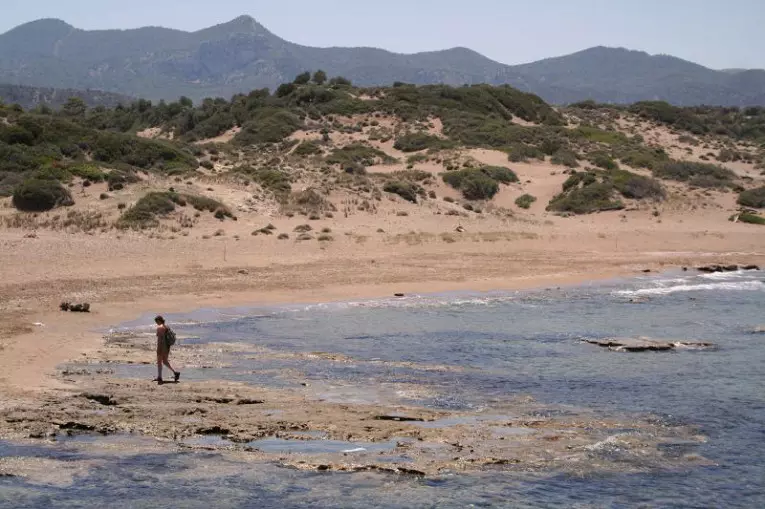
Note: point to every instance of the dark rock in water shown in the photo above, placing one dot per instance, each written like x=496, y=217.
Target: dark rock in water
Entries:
x=213, y=430
x=646, y=344
x=250, y=402
x=398, y=295
x=730, y=268
x=685, y=269
x=751, y=267
x=103, y=399
x=647, y=271
x=398, y=418
x=75, y=426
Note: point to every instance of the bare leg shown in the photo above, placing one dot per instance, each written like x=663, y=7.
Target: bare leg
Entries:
x=166, y=360
x=160, y=356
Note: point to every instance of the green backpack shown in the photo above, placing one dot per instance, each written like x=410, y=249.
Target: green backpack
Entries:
x=169, y=337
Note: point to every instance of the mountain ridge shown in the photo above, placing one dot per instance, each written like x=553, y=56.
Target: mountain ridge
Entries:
x=242, y=55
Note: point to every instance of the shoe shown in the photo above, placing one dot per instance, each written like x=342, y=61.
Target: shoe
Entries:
x=177, y=376
x=158, y=380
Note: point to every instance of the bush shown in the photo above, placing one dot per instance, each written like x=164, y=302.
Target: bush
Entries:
x=594, y=197
x=525, y=201
x=358, y=154
x=88, y=172
x=479, y=183
x=406, y=190
x=566, y=158
x=754, y=198
x=696, y=174
x=35, y=195
x=603, y=160
x=414, y=142
x=276, y=181
x=500, y=174
x=519, y=153
x=636, y=187
x=269, y=125
x=144, y=213
x=307, y=148
x=117, y=179
x=748, y=217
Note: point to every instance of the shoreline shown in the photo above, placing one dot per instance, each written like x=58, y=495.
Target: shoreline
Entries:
x=135, y=290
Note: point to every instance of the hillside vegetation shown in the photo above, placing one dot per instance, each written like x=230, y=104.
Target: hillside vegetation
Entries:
x=318, y=146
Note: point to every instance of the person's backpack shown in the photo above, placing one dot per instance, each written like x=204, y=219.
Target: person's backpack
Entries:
x=169, y=337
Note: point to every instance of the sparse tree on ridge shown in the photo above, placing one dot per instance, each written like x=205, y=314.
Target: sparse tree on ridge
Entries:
x=320, y=77
x=303, y=79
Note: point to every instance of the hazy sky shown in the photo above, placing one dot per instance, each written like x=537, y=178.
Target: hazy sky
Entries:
x=719, y=34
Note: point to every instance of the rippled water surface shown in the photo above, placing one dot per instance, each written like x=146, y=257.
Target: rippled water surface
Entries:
x=512, y=344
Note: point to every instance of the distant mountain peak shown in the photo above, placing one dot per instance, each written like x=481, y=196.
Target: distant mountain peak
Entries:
x=244, y=23
x=44, y=24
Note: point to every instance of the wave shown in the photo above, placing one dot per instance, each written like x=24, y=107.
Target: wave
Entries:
x=750, y=286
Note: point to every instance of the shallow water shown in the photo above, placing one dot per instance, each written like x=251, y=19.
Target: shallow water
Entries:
x=506, y=345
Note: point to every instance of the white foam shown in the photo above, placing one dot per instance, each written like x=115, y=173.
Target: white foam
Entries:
x=750, y=286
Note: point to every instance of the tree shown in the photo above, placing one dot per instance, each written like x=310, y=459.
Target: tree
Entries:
x=302, y=79
x=285, y=89
x=75, y=107
x=186, y=102
x=320, y=77
x=340, y=81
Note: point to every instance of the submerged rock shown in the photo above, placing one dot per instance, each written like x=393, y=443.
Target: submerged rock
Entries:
x=646, y=344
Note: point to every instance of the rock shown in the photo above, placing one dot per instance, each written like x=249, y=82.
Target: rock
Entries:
x=398, y=295
x=398, y=418
x=709, y=269
x=213, y=430
x=634, y=345
x=78, y=308
x=751, y=267
x=247, y=401
x=30, y=236
x=103, y=399
x=646, y=271
x=243, y=271
x=64, y=306
x=459, y=229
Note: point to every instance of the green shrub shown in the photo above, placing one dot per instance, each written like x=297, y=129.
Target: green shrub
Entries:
x=144, y=213
x=600, y=136
x=358, y=154
x=603, y=160
x=636, y=187
x=414, y=142
x=473, y=183
x=566, y=158
x=276, y=181
x=696, y=174
x=500, y=174
x=35, y=195
x=269, y=125
x=206, y=204
x=87, y=172
x=411, y=175
x=406, y=190
x=754, y=198
x=518, y=152
x=748, y=217
x=594, y=197
x=525, y=201
x=117, y=179
x=307, y=148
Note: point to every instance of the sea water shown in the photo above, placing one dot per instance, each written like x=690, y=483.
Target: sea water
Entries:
x=505, y=345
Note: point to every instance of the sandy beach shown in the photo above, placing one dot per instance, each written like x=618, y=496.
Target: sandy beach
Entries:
x=124, y=277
